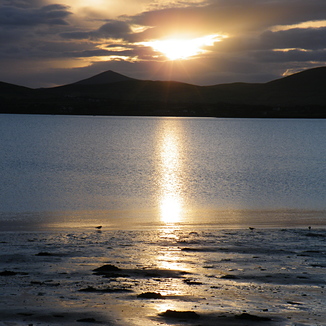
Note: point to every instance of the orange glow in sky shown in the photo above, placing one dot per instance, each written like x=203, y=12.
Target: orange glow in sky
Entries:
x=178, y=48
x=203, y=42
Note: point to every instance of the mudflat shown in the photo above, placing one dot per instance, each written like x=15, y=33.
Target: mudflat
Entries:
x=172, y=275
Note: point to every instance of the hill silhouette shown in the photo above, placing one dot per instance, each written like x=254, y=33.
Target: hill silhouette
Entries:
x=11, y=90
x=110, y=93
x=106, y=77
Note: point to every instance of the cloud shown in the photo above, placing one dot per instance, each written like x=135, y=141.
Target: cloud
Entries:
x=112, y=29
x=141, y=52
x=81, y=38
x=24, y=28
x=232, y=16
x=302, y=38
x=292, y=56
x=48, y=15
x=23, y=3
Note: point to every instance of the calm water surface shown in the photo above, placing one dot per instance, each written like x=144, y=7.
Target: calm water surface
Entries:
x=173, y=170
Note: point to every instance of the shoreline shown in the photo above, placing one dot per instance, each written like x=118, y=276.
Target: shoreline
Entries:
x=269, y=277
x=150, y=219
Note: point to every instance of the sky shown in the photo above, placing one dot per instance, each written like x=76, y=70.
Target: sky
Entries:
x=45, y=43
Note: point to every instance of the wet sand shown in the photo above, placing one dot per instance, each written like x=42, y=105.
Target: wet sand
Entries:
x=171, y=275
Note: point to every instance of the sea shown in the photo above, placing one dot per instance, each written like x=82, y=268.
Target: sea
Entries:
x=146, y=221
x=79, y=171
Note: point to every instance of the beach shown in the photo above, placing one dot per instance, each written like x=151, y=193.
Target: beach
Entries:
x=167, y=275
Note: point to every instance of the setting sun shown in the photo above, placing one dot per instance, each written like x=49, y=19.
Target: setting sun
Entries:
x=180, y=48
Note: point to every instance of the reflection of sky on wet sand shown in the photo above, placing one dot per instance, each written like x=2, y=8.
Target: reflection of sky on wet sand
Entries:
x=170, y=172
x=170, y=257
x=281, y=272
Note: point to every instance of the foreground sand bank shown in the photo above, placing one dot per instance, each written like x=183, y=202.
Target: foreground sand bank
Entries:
x=187, y=277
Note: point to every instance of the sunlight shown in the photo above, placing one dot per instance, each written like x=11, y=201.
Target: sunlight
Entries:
x=290, y=49
x=307, y=24
x=179, y=48
x=89, y=3
x=180, y=305
x=170, y=182
x=172, y=261
x=170, y=209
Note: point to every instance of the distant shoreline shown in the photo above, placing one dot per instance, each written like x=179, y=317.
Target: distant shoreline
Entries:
x=147, y=219
x=299, y=96
x=322, y=115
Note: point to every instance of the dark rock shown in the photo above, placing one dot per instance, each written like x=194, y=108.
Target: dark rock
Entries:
x=194, y=233
x=190, y=282
x=202, y=249
x=150, y=295
x=86, y=320
x=190, y=249
x=246, y=316
x=52, y=284
x=36, y=282
x=318, y=265
x=107, y=268
x=111, y=271
x=151, y=274
x=44, y=253
x=180, y=314
x=91, y=289
x=8, y=273
x=316, y=235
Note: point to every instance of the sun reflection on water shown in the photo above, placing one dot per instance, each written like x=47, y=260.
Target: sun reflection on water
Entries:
x=170, y=209
x=170, y=171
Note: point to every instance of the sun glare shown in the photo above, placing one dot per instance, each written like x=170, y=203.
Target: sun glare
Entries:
x=180, y=48
x=170, y=171
x=171, y=209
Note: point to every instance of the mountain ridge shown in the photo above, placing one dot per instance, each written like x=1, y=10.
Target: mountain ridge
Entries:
x=105, y=77
x=110, y=93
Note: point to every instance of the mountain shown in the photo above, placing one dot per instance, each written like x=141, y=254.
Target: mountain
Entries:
x=311, y=79
x=303, y=88
x=306, y=88
x=109, y=93
x=10, y=90
x=106, y=77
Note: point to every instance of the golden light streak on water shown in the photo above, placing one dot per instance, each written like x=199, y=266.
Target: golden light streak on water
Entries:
x=170, y=173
